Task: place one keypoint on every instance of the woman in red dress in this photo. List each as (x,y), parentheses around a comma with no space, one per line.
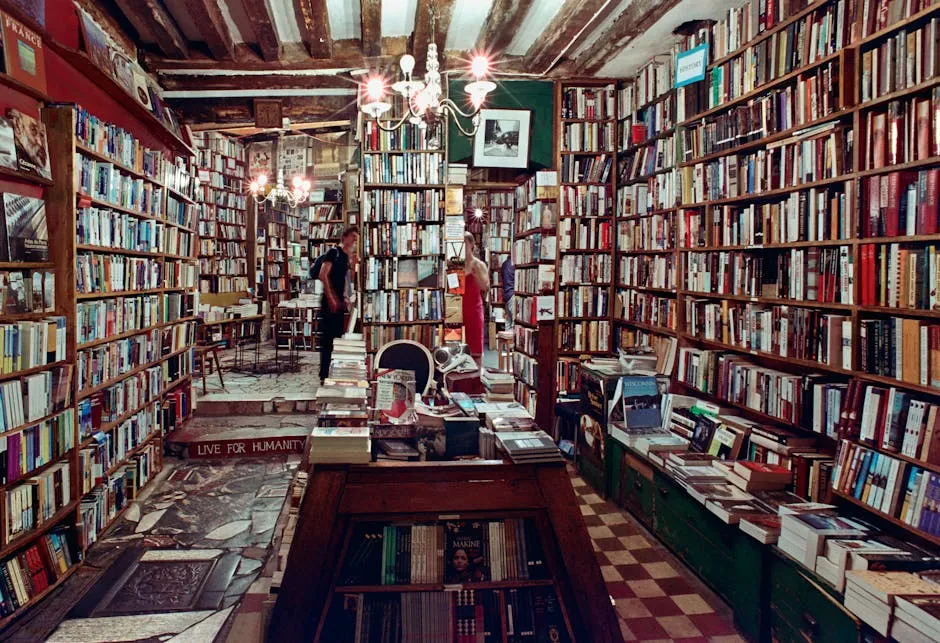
(476,284)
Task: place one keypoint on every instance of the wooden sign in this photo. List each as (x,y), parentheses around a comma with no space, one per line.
(268,113)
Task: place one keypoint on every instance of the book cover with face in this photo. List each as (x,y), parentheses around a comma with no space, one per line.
(32,151)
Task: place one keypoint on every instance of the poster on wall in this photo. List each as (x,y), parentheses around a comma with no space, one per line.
(260,158)
(502,139)
(292,152)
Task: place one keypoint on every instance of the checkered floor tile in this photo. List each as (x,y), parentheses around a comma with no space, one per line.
(656,597)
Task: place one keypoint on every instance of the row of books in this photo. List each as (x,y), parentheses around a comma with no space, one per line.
(215,147)
(180,275)
(810,274)
(903,60)
(899,203)
(654,232)
(107,450)
(223,198)
(104,273)
(576,269)
(403,168)
(35,446)
(588,137)
(583,301)
(526,340)
(891,420)
(30,503)
(178,243)
(531,309)
(105,182)
(180,212)
(646,308)
(585,234)
(647,271)
(813,96)
(30,572)
(232,232)
(401,272)
(223,284)
(893,276)
(35,396)
(652,121)
(538,279)
(538,214)
(122,398)
(586,201)
(402,239)
(214,268)
(586,169)
(647,160)
(746,22)
(653,80)
(781,165)
(817,214)
(28,344)
(907,350)
(94,366)
(330,231)
(589,103)
(406,138)
(403,306)
(397,205)
(426,334)
(903,131)
(592,336)
(225,249)
(525,369)
(107,227)
(541,246)
(117,143)
(802,333)
(31,291)
(219,214)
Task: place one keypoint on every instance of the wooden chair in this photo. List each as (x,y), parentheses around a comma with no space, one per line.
(207,349)
(504,346)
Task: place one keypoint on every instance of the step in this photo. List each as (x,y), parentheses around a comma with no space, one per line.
(217,404)
(240,436)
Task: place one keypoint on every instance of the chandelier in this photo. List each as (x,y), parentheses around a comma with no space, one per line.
(263,191)
(424,103)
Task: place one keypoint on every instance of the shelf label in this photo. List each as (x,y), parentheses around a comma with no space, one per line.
(691,64)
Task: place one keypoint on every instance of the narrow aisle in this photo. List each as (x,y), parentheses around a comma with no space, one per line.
(657,597)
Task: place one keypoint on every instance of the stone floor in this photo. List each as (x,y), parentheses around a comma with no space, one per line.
(178,563)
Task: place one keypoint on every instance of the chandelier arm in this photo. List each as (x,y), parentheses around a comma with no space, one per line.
(468,133)
(393,128)
(452,106)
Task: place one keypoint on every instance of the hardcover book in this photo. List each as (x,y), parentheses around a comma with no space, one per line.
(7,145)
(23,53)
(464,553)
(32,151)
(27,236)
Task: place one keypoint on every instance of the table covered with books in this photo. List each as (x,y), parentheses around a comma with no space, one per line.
(432,518)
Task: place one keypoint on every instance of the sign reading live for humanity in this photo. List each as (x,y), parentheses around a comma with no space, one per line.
(691,64)
(246,447)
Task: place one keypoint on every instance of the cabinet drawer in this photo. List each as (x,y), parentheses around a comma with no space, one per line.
(637,488)
(802,608)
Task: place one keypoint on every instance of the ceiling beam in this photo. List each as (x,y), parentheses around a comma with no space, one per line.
(371,16)
(208,19)
(422,34)
(238,111)
(346,55)
(155,24)
(262,22)
(567,24)
(501,25)
(236,81)
(639,16)
(314,22)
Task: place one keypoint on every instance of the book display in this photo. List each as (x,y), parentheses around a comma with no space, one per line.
(535,256)
(402,209)
(586,234)
(223,215)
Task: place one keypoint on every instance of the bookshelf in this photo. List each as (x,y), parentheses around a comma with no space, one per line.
(587,123)
(325,222)
(223,215)
(274,262)
(493,232)
(535,255)
(424,498)
(402,223)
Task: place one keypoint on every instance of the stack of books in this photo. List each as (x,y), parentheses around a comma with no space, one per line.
(916,618)
(342,393)
(803,534)
(755,476)
(498,385)
(879,552)
(340,444)
(528,446)
(871,596)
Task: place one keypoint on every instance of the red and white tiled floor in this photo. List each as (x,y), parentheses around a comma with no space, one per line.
(657,598)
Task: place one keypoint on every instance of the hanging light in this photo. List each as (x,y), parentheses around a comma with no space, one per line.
(296,194)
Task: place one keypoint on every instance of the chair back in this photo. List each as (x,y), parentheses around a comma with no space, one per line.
(411,356)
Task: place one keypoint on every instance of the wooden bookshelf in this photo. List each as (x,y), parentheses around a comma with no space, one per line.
(223,214)
(342,497)
(586,158)
(401,191)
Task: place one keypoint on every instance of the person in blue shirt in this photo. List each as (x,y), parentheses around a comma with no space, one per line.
(508,277)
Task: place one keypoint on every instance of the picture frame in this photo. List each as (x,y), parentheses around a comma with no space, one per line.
(502,139)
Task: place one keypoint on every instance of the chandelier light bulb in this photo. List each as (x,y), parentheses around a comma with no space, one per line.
(253,186)
(479,66)
(296,182)
(262,180)
(305,186)
(407,64)
(478,213)
(375,89)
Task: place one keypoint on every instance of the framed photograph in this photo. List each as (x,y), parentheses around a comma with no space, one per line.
(503,138)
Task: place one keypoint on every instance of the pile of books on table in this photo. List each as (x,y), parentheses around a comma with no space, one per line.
(498,385)
(876,597)
(342,433)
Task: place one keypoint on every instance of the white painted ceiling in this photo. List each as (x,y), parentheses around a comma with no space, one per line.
(466,23)
(345,20)
(536,19)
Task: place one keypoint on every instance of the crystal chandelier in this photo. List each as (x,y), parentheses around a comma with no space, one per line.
(263,191)
(424,103)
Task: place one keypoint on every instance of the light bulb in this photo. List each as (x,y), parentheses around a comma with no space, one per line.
(375,88)
(263,179)
(479,66)
(407,64)
(253,186)
(296,182)
(306,186)
(478,213)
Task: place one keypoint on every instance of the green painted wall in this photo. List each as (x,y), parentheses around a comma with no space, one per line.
(536,95)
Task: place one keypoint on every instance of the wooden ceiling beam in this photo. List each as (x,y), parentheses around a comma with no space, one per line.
(155,24)
(208,19)
(346,55)
(298,109)
(371,17)
(422,32)
(262,22)
(314,22)
(235,81)
(564,27)
(501,25)
(636,18)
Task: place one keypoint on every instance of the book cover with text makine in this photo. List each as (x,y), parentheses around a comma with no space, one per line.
(465,553)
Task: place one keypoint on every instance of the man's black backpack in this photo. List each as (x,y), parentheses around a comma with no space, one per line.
(318,264)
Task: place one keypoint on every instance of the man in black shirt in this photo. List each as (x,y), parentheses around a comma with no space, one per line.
(333,307)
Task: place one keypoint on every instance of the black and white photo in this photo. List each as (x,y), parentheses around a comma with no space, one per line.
(502,139)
